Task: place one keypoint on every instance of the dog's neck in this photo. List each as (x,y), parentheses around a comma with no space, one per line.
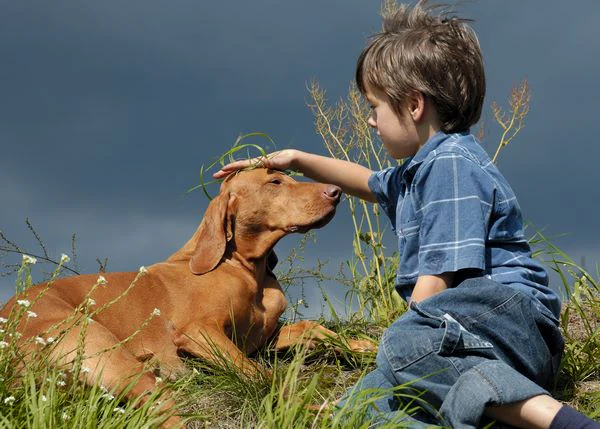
(256,268)
(255,245)
(247,251)
(253,252)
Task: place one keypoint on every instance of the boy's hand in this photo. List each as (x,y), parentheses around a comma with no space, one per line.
(280,160)
(351,177)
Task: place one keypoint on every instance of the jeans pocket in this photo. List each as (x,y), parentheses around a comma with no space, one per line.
(422,333)
(401,348)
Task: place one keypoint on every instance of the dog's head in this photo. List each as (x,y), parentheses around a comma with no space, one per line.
(260,206)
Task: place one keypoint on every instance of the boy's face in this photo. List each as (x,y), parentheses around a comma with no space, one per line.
(397,132)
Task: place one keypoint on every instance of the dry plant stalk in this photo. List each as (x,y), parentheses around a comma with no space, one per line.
(346,135)
(513,121)
(389,7)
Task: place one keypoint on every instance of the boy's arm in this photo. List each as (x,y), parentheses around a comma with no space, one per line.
(428,285)
(351,177)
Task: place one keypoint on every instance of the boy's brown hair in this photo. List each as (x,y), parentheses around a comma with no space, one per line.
(435,54)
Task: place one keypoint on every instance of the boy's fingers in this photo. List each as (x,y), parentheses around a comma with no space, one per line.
(225,171)
(236,165)
(219,174)
(259,161)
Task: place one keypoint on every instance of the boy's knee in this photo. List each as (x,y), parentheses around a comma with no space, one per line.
(489,383)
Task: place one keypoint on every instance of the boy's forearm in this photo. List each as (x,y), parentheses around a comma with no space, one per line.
(351,177)
(428,286)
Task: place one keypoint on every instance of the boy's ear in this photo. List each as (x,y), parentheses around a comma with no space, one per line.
(416,105)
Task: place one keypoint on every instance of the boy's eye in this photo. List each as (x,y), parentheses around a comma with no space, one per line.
(275,182)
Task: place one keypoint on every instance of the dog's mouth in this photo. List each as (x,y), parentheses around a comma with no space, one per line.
(314,225)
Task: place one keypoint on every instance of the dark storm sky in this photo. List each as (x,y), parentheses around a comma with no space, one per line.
(108,109)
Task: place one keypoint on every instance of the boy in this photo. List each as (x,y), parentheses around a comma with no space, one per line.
(481,336)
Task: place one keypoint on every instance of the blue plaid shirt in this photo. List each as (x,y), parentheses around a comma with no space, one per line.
(453,211)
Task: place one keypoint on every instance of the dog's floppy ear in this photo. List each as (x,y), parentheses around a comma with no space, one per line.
(214,232)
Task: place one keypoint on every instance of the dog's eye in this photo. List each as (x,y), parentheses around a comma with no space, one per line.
(275,182)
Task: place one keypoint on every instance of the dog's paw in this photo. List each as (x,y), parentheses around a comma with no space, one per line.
(362,346)
(328,404)
(173,373)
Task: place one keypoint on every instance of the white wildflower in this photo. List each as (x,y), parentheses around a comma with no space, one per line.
(90,301)
(107,393)
(1,331)
(119,410)
(64,259)
(3,320)
(50,340)
(40,340)
(3,344)
(16,335)
(159,380)
(44,398)
(85,369)
(29,260)
(90,320)
(24,302)
(101,280)
(143,270)
(65,416)
(61,383)
(9,400)
(31,314)
(156,312)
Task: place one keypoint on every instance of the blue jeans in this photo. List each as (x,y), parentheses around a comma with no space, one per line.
(480,343)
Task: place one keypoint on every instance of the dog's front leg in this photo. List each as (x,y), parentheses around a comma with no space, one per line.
(214,346)
(309,334)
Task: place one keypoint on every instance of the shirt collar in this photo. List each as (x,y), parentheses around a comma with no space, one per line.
(413,163)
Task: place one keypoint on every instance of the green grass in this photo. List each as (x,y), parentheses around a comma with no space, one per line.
(218,395)
(579,380)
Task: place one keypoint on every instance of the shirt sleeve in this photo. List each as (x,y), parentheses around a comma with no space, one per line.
(453,199)
(385,184)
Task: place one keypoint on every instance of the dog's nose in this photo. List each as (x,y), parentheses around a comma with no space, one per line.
(333,192)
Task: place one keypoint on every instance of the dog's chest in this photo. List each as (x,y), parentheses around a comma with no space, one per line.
(262,318)
(274,304)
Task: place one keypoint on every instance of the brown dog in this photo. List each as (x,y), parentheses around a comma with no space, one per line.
(218,290)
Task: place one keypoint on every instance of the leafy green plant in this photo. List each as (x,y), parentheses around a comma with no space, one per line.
(579,381)
(228,156)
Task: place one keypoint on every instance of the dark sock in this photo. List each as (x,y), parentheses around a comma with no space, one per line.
(569,418)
